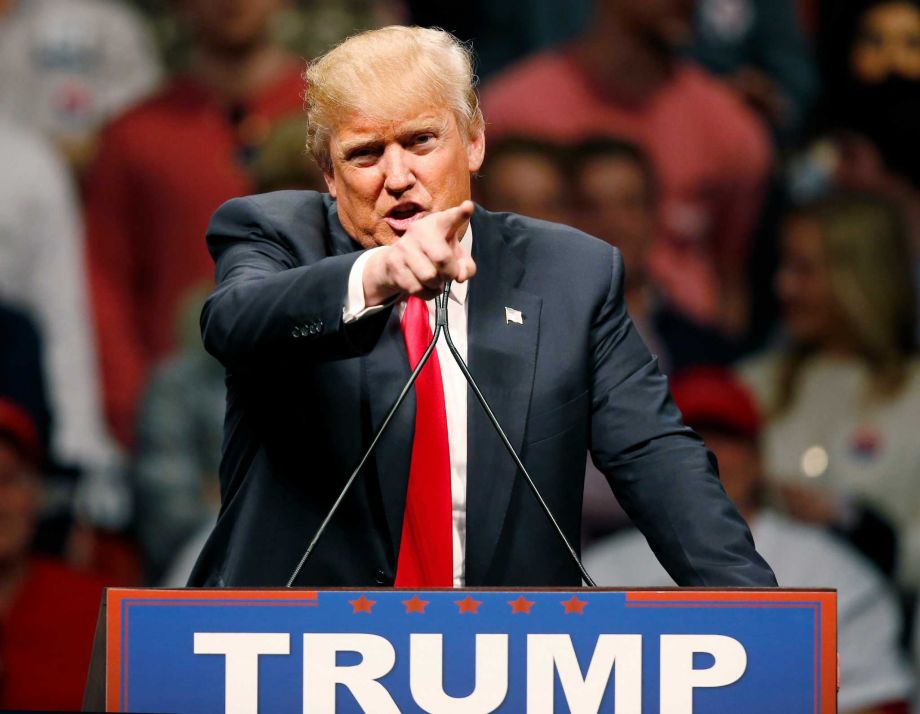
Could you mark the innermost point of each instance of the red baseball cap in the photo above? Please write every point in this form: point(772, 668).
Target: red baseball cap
point(713, 397)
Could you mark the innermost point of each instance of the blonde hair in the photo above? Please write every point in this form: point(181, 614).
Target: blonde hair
point(381, 72)
point(867, 248)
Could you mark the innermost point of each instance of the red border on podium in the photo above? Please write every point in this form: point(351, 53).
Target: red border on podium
point(822, 603)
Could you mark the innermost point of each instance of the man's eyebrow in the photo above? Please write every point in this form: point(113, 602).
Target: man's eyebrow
point(346, 146)
point(437, 125)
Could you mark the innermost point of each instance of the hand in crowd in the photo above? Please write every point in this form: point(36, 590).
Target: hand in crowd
point(762, 93)
point(423, 259)
point(810, 504)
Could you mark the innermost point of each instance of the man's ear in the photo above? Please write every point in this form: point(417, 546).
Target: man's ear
point(330, 182)
point(476, 150)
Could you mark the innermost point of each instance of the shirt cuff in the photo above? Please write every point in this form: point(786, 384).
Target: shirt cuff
point(354, 308)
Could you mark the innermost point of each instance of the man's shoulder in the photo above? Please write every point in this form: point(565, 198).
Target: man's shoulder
point(299, 221)
point(283, 211)
point(540, 236)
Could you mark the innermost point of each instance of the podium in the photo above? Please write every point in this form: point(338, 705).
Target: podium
point(281, 651)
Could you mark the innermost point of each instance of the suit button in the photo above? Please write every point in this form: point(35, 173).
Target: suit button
point(319, 325)
point(295, 332)
point(304, 331)
point(381, 578)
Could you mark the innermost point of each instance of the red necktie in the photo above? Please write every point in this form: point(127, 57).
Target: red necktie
point(426, 546)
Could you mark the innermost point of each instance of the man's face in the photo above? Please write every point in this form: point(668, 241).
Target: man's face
point(387, 174)
point(229, 25)
point(888, 43)
point(528, 183)
point(19, 501)
point(618, 207)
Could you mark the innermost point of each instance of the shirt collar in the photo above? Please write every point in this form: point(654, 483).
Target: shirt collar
point(458, 291)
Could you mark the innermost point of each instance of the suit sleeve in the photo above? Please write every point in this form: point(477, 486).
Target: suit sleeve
point(660, 471)
point(270, 309)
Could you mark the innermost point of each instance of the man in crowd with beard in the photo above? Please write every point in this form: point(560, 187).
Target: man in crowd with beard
point(162, 170)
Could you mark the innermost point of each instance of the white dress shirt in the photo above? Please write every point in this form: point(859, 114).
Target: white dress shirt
point(455, 388)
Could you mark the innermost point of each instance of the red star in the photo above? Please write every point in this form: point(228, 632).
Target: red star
point(468, 604)
point(574, 605)
point(415, 604)
point(521, 605)
point(362, 604)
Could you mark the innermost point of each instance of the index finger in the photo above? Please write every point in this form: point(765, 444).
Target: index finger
point(451, 220)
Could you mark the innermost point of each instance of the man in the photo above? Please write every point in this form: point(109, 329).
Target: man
point(874, 678)
point(162, 169)
point(625, 77)
point(618, 195)
point(307, 318)
point(526, 176)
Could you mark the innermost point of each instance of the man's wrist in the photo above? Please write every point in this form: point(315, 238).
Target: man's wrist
point(356, 305)
point(377, 289)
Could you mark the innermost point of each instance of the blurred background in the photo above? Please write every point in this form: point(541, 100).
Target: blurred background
point(757, 162)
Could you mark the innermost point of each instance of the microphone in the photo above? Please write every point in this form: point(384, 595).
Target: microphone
point(441, 325)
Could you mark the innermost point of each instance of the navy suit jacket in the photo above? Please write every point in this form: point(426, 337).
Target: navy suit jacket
point(306, 392)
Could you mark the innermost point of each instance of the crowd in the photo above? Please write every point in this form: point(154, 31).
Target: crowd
point(756, 161)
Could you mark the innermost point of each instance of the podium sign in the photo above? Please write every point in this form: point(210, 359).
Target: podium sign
point(628, 652)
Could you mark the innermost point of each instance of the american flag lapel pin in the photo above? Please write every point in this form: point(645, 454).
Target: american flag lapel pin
point(512, 315)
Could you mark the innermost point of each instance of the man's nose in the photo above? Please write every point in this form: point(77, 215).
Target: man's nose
point(397, 166)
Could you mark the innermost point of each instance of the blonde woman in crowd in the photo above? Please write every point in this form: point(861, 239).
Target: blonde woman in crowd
point(843, 395)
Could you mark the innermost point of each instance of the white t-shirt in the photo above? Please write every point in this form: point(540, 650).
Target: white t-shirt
point(873, 671)
point(42, 272)
point(67, 66)
point(848, 441)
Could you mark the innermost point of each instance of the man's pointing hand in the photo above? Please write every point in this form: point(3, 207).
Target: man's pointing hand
point(423, 259)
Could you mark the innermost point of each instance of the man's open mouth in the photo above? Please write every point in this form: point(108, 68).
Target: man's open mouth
point(399, 217)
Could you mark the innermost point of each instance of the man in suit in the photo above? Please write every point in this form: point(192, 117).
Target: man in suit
point(319, 312)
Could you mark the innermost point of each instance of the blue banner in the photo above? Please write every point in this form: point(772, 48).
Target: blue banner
point(290, 651)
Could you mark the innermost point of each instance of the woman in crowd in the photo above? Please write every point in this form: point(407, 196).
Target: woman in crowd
point(843, 394)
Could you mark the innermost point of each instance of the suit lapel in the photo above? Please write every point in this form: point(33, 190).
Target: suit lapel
point(386, 370)
point(502, 359)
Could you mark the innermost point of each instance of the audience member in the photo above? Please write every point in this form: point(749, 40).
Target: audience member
point(504, 32)
point(617, 200)
point(180, 429)
point(878, 94)
point(874, 676)
point(306, 27)
point(843, 395)
point(624, 77)
point(42, 273)
point(162, 169)
point(66, 66)
point(47, 610)
point(526, 176)
point(282, 163)
point(758, 48)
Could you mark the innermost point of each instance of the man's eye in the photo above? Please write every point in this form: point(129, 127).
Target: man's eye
point(424, 139)
point(361, 155)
